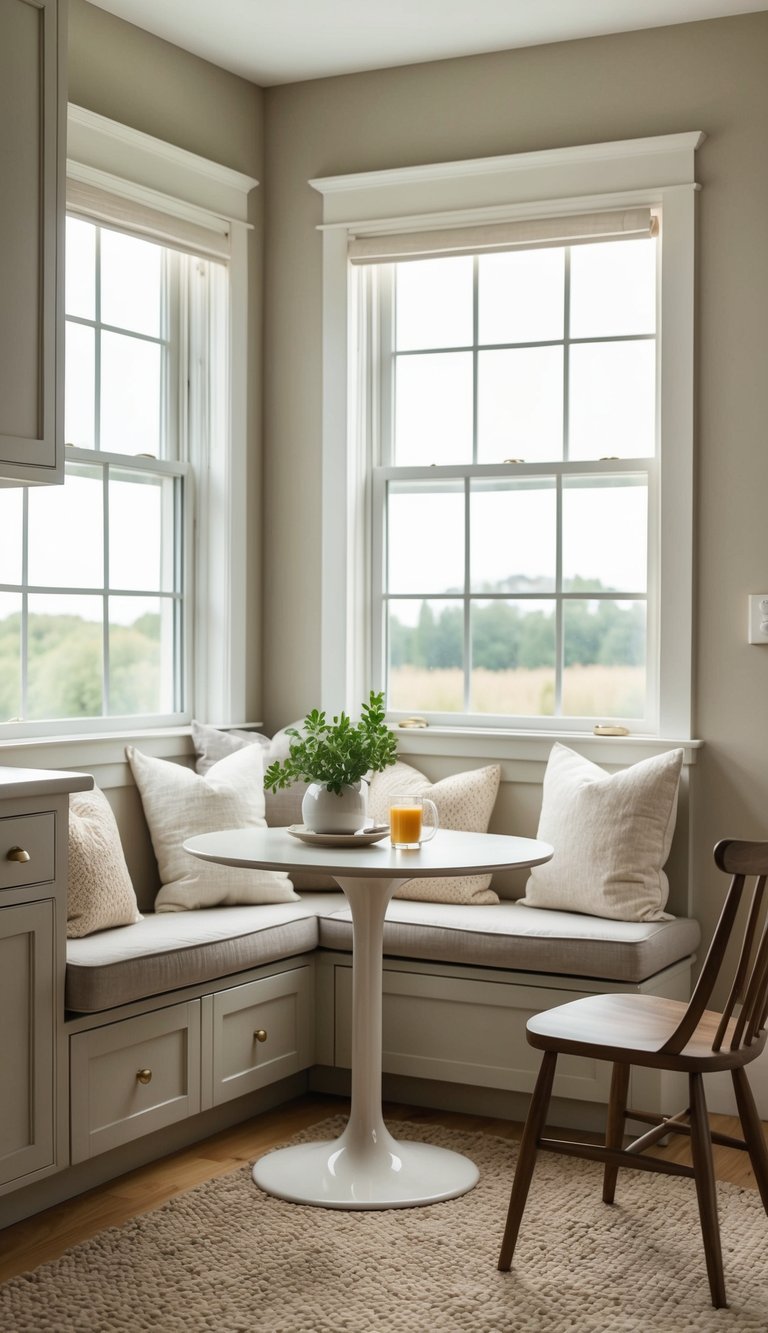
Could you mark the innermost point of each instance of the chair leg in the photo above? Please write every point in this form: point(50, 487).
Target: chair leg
point(704, 1171)
point(753, 1131)
point(537, 1114)
point(614, 1129)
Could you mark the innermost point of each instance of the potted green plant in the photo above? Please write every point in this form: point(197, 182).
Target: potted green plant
point(334, 758)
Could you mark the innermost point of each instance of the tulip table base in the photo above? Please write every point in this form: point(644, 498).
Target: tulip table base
point(366, 1167)
point(384, 1174)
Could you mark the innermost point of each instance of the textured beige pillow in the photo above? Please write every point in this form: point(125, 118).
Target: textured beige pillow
point(464, 801)
point(178, 804)
point(99, 890)
point(611, 833)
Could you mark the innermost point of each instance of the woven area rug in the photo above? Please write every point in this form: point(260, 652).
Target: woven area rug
point(225, 1258)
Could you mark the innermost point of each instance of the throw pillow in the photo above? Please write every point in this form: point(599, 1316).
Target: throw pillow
point(211, 744)
point(99, 890)
point(178, 804)
point(281, 808)
point(464, 801)
point(611, 833)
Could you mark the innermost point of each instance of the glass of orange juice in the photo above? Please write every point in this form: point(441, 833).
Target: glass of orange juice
point(407, 829)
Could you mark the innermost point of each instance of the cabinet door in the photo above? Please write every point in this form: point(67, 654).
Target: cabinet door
point(26, 1040)
point(262, 1031)
point(132, 1077)
point(32, 102)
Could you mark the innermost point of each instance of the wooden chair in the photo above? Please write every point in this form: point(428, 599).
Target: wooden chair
point(667, 1034)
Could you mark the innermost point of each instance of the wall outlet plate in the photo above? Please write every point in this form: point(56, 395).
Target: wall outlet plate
point(758, 618)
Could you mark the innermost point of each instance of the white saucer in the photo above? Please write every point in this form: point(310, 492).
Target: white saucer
point(362, 839)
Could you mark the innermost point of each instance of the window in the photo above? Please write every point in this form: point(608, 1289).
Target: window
point(509, 437)
point(110, 584)
point(517, 482)
point(95, 617)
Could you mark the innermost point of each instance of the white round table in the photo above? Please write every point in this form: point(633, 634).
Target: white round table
point(366, 1167)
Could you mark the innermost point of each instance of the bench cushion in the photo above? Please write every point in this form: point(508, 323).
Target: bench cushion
point(526, 939)
point(168, 950)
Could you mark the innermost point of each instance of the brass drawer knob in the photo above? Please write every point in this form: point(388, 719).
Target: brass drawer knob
point(260, 1034)
point(144, 1076)
point(17, 854)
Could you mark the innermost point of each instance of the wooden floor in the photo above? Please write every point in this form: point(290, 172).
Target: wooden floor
point(44, 1237)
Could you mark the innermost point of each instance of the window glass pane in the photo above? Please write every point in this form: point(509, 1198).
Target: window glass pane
point(513, 658)
point(433, 409)
point(66, 532)
point(513, 535)
point(613, 289)
point(10, 656)
point(141, 661)
point(426, 656)
point(612, 400)
point(605, 527)
point(433, 303)
point(11, 530)
point(65, 657)
point(141, 515)
point(131, 283)
point(81, 269)
point(521, 296)
point(80, 387)
point(130, 395)
point(520, 405)
point(604, 655)
point(425, 539)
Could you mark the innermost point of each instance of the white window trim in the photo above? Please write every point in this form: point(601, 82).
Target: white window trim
point(658, 172)
point(158, 175)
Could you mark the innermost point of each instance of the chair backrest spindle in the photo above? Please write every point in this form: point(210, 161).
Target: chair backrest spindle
point(749, 987)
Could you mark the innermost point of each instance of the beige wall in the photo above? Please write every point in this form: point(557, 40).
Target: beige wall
point(705, 76)
point(130, 76)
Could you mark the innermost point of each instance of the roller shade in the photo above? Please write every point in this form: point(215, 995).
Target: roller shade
point(521, 234)
point(208, 238)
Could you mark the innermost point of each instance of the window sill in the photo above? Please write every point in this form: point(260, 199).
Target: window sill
point(96, 750)
point(496, 745)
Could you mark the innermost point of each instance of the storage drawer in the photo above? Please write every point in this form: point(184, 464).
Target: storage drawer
point(130, 1078)
point(464, 1031)
point(262, 1031)
point(35, 835)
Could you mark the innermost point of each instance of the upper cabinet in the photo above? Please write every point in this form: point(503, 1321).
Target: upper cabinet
point(33, 37)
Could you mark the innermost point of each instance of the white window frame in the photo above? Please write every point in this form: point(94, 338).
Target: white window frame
point(658, 173)
point(199, 198)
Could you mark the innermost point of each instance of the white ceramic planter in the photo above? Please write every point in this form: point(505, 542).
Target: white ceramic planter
point(326, 811)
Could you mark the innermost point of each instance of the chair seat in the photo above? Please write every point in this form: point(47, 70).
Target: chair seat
point(634, 1028)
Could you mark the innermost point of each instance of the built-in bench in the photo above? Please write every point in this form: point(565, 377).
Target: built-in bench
point(187, 1021)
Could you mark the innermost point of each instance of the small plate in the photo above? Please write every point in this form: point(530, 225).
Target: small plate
point(363, 839)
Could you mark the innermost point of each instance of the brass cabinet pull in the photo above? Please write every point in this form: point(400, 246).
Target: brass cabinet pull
point(17, 854)
point(260, 1034)
point(144, 1076)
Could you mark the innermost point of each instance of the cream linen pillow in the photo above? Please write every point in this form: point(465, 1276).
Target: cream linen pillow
point(611, 833)
point(464, 801)
point(178, 804)
point(99, 890)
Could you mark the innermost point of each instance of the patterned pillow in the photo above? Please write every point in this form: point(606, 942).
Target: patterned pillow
point(464, 801)
point(99, 890)
point(611, 833)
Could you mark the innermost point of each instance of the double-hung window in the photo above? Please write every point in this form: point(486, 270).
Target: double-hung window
point(517, 483)
point(95, 626)
point(518, 480)
point(111, 582)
